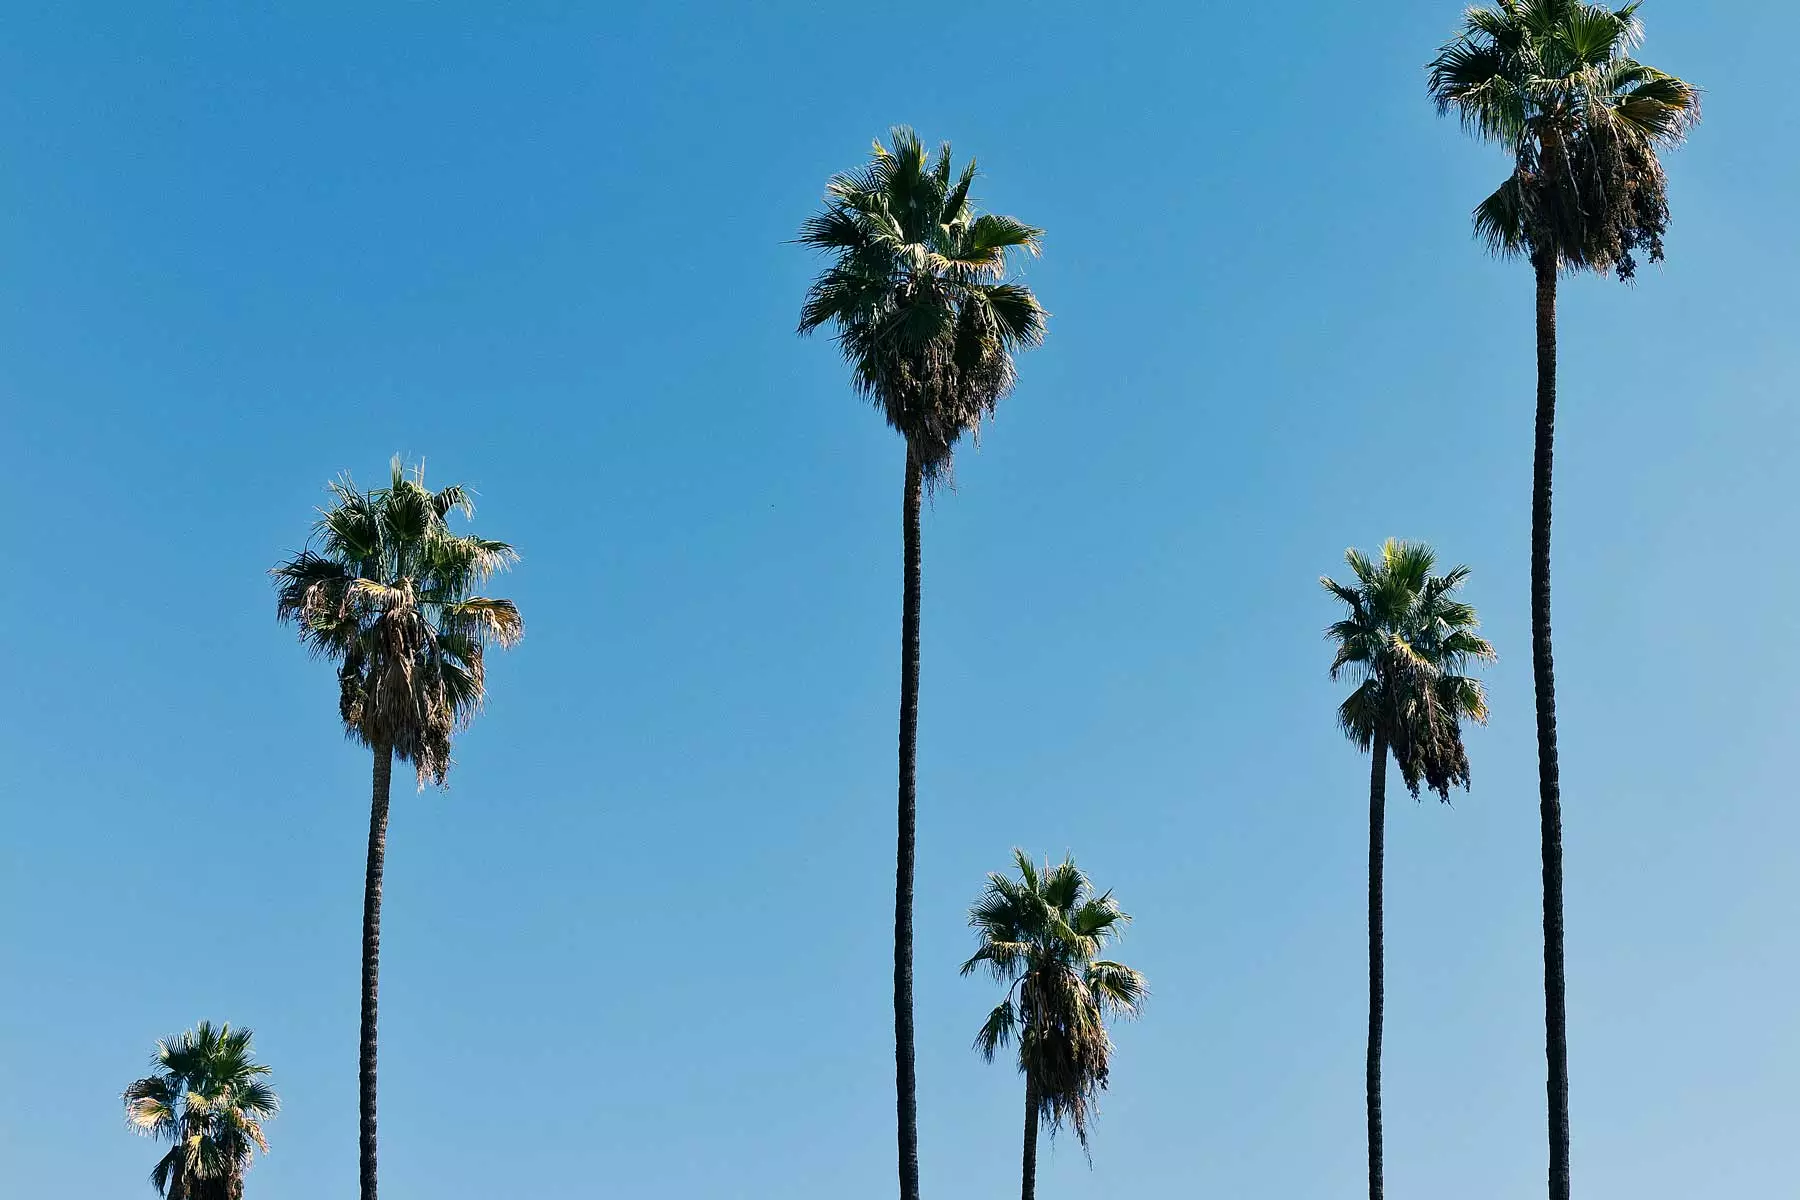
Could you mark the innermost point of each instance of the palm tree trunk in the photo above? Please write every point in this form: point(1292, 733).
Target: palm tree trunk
point(1556, 1019)
point(1377, 847)
point(371, 963)
point(1029, 1190)
point(905, 1080)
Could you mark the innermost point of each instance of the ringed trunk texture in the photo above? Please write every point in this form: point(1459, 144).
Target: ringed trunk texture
point(905, 1080)
point(1028, 1190)
point(1556, 1018)
point(371, 964)
point(1377, 848)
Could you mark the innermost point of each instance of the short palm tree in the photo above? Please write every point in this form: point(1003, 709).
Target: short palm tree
point(1406, 642)
point(1553, 82)
point(385, 590)
point(208, 1097)
point(917, 291)
point(1042, 935)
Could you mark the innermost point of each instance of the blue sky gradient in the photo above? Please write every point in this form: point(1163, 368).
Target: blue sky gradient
point(641, 946)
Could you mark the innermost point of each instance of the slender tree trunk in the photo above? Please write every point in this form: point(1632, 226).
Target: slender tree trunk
point(1556, 1018)
point(1029, 1189)
point(371, 962)
point(1377, 845)
point(905, 1080)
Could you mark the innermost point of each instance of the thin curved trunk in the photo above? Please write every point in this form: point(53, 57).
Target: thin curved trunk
point(371, 963)
point(1028, 1190)
point(1377, 847)
point(1556, 1019)
point(905, 1080)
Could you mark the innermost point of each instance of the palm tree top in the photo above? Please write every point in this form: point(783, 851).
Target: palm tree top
point(1519, 64)
point(400, 535)
point(1043, 934)
point(385, 589)
point(919, 292)
point(1407, 642)
point(209, 1096)
point(1555, 83)
point(1048, 915)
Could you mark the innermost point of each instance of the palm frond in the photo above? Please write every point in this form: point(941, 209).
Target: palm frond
point(1062, 886)
point(487, 620)
point(168, 1169)
point(1344, 592)
point(1003, 959)
point(1119, 989)
point(455, 498)
point(1500, 220)
point(1017, 316)
point(996, 1032)
point(837, 227)
point(150, 1104)
point(956, 200)
point(1660, 107)
point(1471, 79)
point(981, 249)
point(1027, 872)
point(1362, 713)
point(1590, 35)
point(1099, 917)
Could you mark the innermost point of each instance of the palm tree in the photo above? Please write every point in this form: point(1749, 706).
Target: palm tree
point(1554, 83)
point(1042, 935)
point(386, 595)
point(1406, 642)
point(208, 1097)
point(918, 294)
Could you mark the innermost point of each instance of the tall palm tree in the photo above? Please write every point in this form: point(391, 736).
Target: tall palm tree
point(385, 591)
point(1042, 935)
point(1406, 641)
point(208, 1097)
point(1553, 82)
point(917, 291)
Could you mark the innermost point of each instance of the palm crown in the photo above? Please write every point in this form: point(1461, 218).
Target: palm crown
point(387, 595)
point(1043, 933)
point(918, 292)
point(210, 1098)
point(1554, 82)
point(1407, 640)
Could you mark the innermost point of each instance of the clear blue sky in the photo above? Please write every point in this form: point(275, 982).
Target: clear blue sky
point(641, 946)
